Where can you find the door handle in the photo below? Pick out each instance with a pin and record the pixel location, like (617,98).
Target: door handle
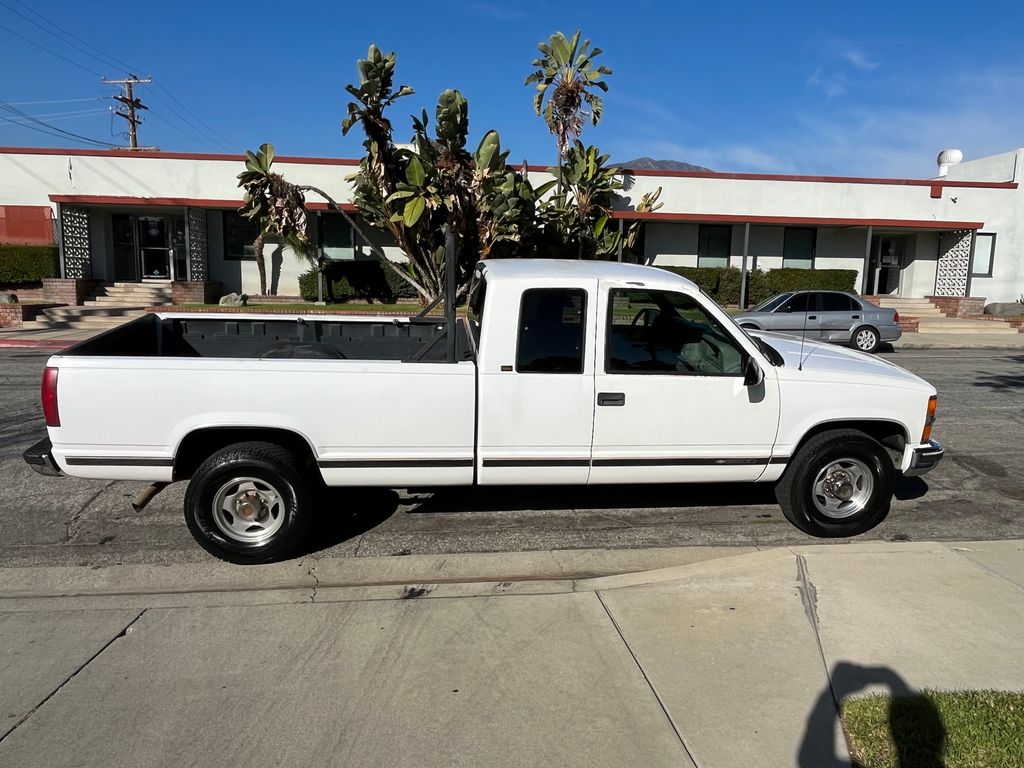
(856,317)
(611,398)
(812,317)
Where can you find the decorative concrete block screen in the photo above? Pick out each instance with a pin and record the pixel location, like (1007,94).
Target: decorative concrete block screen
(74,227)
(954,263)
(197,252)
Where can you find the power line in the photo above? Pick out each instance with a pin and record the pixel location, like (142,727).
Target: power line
(50,51)
(97,53)
(221,140)
(53,101)
(42,125)
(131,104)
(58,119)
(181,130)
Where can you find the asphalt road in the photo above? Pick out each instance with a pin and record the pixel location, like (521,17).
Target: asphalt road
(976,493)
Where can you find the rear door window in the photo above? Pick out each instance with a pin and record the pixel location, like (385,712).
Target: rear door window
(551,325)
(836,302)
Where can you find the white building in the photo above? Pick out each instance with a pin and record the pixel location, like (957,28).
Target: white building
(171,216)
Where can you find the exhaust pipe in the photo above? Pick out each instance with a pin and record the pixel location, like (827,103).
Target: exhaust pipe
(146,495)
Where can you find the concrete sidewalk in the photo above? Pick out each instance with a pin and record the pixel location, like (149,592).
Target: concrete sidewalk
(707,657)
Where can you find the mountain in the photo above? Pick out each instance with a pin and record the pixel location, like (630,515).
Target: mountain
(649,164)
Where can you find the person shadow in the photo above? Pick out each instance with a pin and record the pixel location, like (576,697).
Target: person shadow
(915,725)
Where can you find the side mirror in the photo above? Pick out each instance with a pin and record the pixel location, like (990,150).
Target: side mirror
(752,373)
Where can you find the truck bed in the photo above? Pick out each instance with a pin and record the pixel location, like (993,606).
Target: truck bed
(256,336)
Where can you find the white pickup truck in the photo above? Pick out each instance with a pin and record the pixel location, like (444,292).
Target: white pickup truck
(566,372)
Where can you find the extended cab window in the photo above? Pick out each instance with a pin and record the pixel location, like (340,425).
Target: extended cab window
(667,332)
(551,331)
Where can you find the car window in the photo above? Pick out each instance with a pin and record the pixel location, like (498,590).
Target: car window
(801,302)
(836,302)
(551,330)
(668,333)
(770,305)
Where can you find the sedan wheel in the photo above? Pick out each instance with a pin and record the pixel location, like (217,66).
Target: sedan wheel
(865,339)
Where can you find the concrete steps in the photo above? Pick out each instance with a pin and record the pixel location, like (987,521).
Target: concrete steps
(84,318)
(931,319)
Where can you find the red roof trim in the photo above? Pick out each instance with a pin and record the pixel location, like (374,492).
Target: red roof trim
(807,220)
(532,168)
(194,202)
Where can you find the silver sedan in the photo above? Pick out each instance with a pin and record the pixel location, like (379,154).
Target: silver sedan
(841,318)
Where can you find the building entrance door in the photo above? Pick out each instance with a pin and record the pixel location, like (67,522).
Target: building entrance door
(161,247)
(886,263)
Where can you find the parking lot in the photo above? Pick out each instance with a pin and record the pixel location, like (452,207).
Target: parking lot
(976,493)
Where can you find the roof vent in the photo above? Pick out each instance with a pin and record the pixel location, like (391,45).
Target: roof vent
(948,157)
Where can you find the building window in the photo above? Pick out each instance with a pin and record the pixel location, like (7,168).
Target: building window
(336,237)
(551,331)
(984,253)
(239,236)
(714,244)
(798,248)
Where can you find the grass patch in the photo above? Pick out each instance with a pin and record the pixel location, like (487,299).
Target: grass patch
(959,729)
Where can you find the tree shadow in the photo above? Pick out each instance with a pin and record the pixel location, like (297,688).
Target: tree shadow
(915,725)
(347,513)
(997,381)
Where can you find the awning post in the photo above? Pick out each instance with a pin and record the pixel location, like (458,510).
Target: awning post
(743,268)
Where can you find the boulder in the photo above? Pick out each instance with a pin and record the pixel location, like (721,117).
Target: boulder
(1004,308)
(234,300)
(8,298)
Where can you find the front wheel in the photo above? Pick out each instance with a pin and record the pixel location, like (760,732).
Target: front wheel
(840,483)
(248,504)
(865,339)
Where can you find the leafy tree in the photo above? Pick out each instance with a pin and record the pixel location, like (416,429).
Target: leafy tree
(567,77)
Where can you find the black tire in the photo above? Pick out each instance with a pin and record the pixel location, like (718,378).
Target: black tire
(795,491)
(258,467)
(865,338)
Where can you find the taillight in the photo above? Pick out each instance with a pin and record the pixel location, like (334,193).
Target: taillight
(933,401)
(49,394)
(896,318)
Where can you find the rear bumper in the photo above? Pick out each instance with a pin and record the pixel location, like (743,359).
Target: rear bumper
(924,458)
(40,458)
(890,333)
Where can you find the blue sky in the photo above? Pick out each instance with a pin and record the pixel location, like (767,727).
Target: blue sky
(826,88)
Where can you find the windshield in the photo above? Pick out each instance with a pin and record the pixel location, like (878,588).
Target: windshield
(770,305)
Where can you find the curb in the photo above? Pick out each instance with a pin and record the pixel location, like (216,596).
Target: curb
(38,343)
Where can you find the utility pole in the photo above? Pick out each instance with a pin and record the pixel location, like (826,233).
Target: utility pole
(131,105)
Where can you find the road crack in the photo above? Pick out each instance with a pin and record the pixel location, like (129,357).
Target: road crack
(316,583)
(73,525)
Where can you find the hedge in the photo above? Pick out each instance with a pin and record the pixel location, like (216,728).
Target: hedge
(723,283)
(28,263)
(346,280)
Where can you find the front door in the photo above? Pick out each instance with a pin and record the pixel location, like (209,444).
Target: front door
(154,247)
(536,400)
(671,405)
(798,316)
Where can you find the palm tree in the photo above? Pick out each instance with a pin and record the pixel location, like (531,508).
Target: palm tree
(567,76)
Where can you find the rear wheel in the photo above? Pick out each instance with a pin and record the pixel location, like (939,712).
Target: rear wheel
(840,483)
(249,503)
(865,339)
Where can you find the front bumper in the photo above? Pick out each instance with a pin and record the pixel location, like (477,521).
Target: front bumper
(41,460)
(924,458)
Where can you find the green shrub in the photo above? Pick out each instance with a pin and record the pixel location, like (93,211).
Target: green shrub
(347,280)
(723,283)
(28,263)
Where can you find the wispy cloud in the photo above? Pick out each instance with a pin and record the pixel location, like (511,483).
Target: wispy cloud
(861,140)
(859,59)
(832,84)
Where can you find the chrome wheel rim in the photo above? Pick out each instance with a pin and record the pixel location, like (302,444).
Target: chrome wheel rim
(842,488)
(248,510)
(866,340)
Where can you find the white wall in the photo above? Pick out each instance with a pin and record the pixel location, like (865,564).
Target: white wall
(918,277)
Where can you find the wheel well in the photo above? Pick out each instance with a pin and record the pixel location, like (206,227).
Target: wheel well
(198,446)
(890,434)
